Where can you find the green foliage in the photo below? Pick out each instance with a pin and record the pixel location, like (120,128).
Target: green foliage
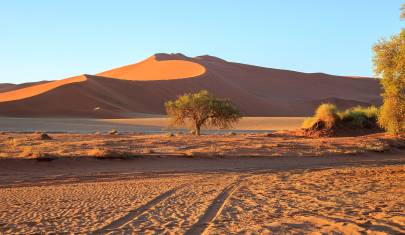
(309,122)
(202,109)
(357,117)
(327,113)
(389,63)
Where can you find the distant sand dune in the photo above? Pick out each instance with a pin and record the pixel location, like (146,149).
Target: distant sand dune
(144,87)
(31,91)
(154,69)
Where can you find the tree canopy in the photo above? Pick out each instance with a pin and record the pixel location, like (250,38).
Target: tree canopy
(202,109)
(389,63)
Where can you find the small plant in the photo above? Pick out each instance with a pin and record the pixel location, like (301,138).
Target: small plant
(113,132)
(170,134)
(231,133)
(103,153)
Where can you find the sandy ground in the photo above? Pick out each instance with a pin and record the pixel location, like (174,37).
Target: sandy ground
(243,183)
(278,144)
(146,123)
(350,199)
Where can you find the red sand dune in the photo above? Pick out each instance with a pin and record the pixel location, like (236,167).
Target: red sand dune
(6,86)
(156,68)
(145,86)
(34,90)
(10,86)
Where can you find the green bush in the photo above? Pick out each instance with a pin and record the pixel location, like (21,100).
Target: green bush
(327,113)
(360,117)
(309,122)
(357,117)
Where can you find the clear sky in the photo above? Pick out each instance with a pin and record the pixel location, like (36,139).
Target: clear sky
(49,40)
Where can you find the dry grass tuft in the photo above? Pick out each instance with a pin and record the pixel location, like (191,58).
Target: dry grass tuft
(36,153)
(148,151)
(102,153)
(327,113)
(169,134)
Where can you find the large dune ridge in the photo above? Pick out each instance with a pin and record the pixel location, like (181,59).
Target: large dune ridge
(34,90)
(6,86)
(157,67)
(144,87)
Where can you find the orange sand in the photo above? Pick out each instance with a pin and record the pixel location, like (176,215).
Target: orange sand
(38,89)
(153,69)
(145,87)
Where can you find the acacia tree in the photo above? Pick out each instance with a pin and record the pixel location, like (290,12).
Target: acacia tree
(202,109)
(389,63)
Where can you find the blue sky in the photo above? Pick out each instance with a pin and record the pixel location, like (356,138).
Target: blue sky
(48,40)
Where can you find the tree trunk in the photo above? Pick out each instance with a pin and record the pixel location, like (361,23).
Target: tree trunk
(197,129)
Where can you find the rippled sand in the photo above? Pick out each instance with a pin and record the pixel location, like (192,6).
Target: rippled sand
(345,200)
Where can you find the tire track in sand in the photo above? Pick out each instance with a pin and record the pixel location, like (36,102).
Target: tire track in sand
(134,214)
(215,209)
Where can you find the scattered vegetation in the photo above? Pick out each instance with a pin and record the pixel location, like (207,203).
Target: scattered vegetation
(36,153)
(328,120)
(389,63)
(202,109)
(104,153)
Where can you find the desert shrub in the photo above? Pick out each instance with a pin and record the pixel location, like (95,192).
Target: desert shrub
(360,117)
(309,122)
(329,117)
(103,153)
(326,113)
